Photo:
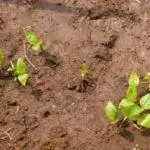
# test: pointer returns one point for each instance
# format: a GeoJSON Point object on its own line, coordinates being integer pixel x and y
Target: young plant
{"type": "Point", "coordinates": [2, 56]}
{"type": "Point", "coordinates": [19, 72]}
{"type": "Point", "coordinates": [147, 79]}
{"type": "Point", "coordinates": [32, 39]}
{"type": "Point", "coordinates": [130, 107]}
{"type": "Point", "coordinates": [84, 70]}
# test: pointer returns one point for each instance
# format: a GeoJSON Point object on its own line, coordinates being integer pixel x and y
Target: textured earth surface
{"type": "Point", "coordinates": [57, 110]}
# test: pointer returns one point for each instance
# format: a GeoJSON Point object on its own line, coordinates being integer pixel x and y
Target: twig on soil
{"type": "Point", "coordinates": [26, 57]}
{"type": "Point", "coordinates": [135, 125]}
{"type": "Point", "coordinates": [115, 131]}
{"type": "Point", "coordinates": [6, 135]}
{"type": "Point", "coordinates": [18, 108]}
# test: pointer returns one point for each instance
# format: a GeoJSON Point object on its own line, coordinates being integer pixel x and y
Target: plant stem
{"type": "Point", "coordinates": [115, 131]}
{"type": "Point", "coordinates": [26, 57]}
{"type": "Point", "coordinates": [135, 125]}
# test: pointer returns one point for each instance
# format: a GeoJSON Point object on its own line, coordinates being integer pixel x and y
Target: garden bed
{"type": "Point", "coordinates": [57, 110]}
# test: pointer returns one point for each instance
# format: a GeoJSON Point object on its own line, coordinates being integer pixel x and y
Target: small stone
{"type": "Point", "coordinates": [54, 106]}
{"type": "Point", "coordinates": [137, 145]}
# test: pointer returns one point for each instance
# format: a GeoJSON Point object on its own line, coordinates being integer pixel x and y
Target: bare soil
{"type": "Point", "coordinates": [57, 110]}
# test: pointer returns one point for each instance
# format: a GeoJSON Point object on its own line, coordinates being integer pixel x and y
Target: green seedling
{"type": "Point", "coordinates": [2, 56]}
{"type": "Point", "coordinates": [147, 79]}
{"type": "Point", "coordinates": [130, 107]}
{"type": "Point", "coordinates": [111, 112]}
{"type": "Point", "coordinates": [32, 39]}
{"type": "Point", "coordinates": [19, 72]}
{"type": "Point", "coordinates": [84, 70]}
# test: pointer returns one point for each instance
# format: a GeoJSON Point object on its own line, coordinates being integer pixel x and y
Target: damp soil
{"type": "Point", "coordinates": [58, 109]}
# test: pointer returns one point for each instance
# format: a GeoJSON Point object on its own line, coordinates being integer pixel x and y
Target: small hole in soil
{"type": "Point", "coordinates": [98, 12]}
{"type": "Point", "coordinates": [111, 42]}
{"type": "Point", "coordinates": [51, 61]}
{"type": "Point", "coordinates": [37, 93]}
{"type": "Point", "coordinates": [126, 134]}
{"type": "Point", "coordinates": [87, 84]}
{"type": "Point", "coordinates": [103, 54]}
{"type": "Point", "coordinates": [45, 113]}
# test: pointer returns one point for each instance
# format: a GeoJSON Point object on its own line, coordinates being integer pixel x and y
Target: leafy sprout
{"type": "Point", "coordinates": [129, 107]}
{"type": "Point", "coordinates": [2, 56]}
{"type": "Point", "coordinates": [111, 111]}
{"type": "Point", "coordinates": [32, 39]}
{"type": "Point", "coordinates": [147, 79]}
{"type": "Point", "coordinates": [19, 72]}
{"type": "Point", "coordinates": [84, 70]}
{"type": "Point", "coordinates": [147, 76]}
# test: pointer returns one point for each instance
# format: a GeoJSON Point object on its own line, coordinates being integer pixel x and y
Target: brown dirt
{"type": "Point", "coordinates": [57, 110]}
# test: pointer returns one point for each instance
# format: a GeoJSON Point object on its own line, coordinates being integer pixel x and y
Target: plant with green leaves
{"type": "Point", "coordinates": [19, 71]}
{"type": "Point", "coordinates": [147, 79]}
{"type": "Point", "coordinates": [2, 57]}
{"type": "Point", "coordinates": [32, 39]}
{"type": "Point", "coordinates": [131, 108]}
{"type": "Point", "coordinates": [84, 70]}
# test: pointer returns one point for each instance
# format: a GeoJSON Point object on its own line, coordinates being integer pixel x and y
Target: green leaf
{"type": "Point", "coordinates": [2, 56]}
{"type": "Point", "coordinates": [131, 93]}
{"type": "Point", "coordinates": [145, 102]}
{"type": "Point", "coordinates": [111, 111]}
{"type": "Point", "coordinates": [84, 70]}
{"type": "Point", "coordinates": [20, 66]}
{"type": "Point", "coordinates": [147, 76]}
{"type": "Point", "coordinates": [135, 112]}
{"type": "Point", "coordinates": [134, 79]}
{"type": "Point", "coordinates": [144, 120]}
{"type": "Point", "coordinates": [31, 37]}
{"type": "Point", "coordinates": [125, 106]}
{"type": "Point", "coordinates": [12, 68]}
{"type": "Point", "coordinates": [36, 47]}
{"type": "Point", "coordinates": [33, 40]}
{"type": "Point", "coordinates": [130, 109]}
{"type": "Point", "coordinates": [23, 79]}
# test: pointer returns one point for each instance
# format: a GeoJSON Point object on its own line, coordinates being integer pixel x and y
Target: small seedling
{"type": "Point", "coordinates": [19, 72]}
{"type": "Point", "coordinates": [1, 57]}
{"type": "Point", "coordinates": [147, 79]}
{"type": "Point", "coordinates": [84, 70]}
{"type": "Point", "coordinates": [130, 107]}
{"type": "Point", "coordinates": [32, 39]}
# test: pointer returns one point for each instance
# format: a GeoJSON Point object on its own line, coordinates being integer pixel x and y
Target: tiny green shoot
{"type": "Point", "coordinates": [147, 79]}
{"type": "Point", "coordinates": [130, 107]}
{"type": "Point", "coordinates": [2, 56]}
{"type": "Point", "coordinates": [19, 72]}
{"type": "Point", "coordinates": [84, 70]}
{"type": "Point", "coordinates": [32, 39]}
